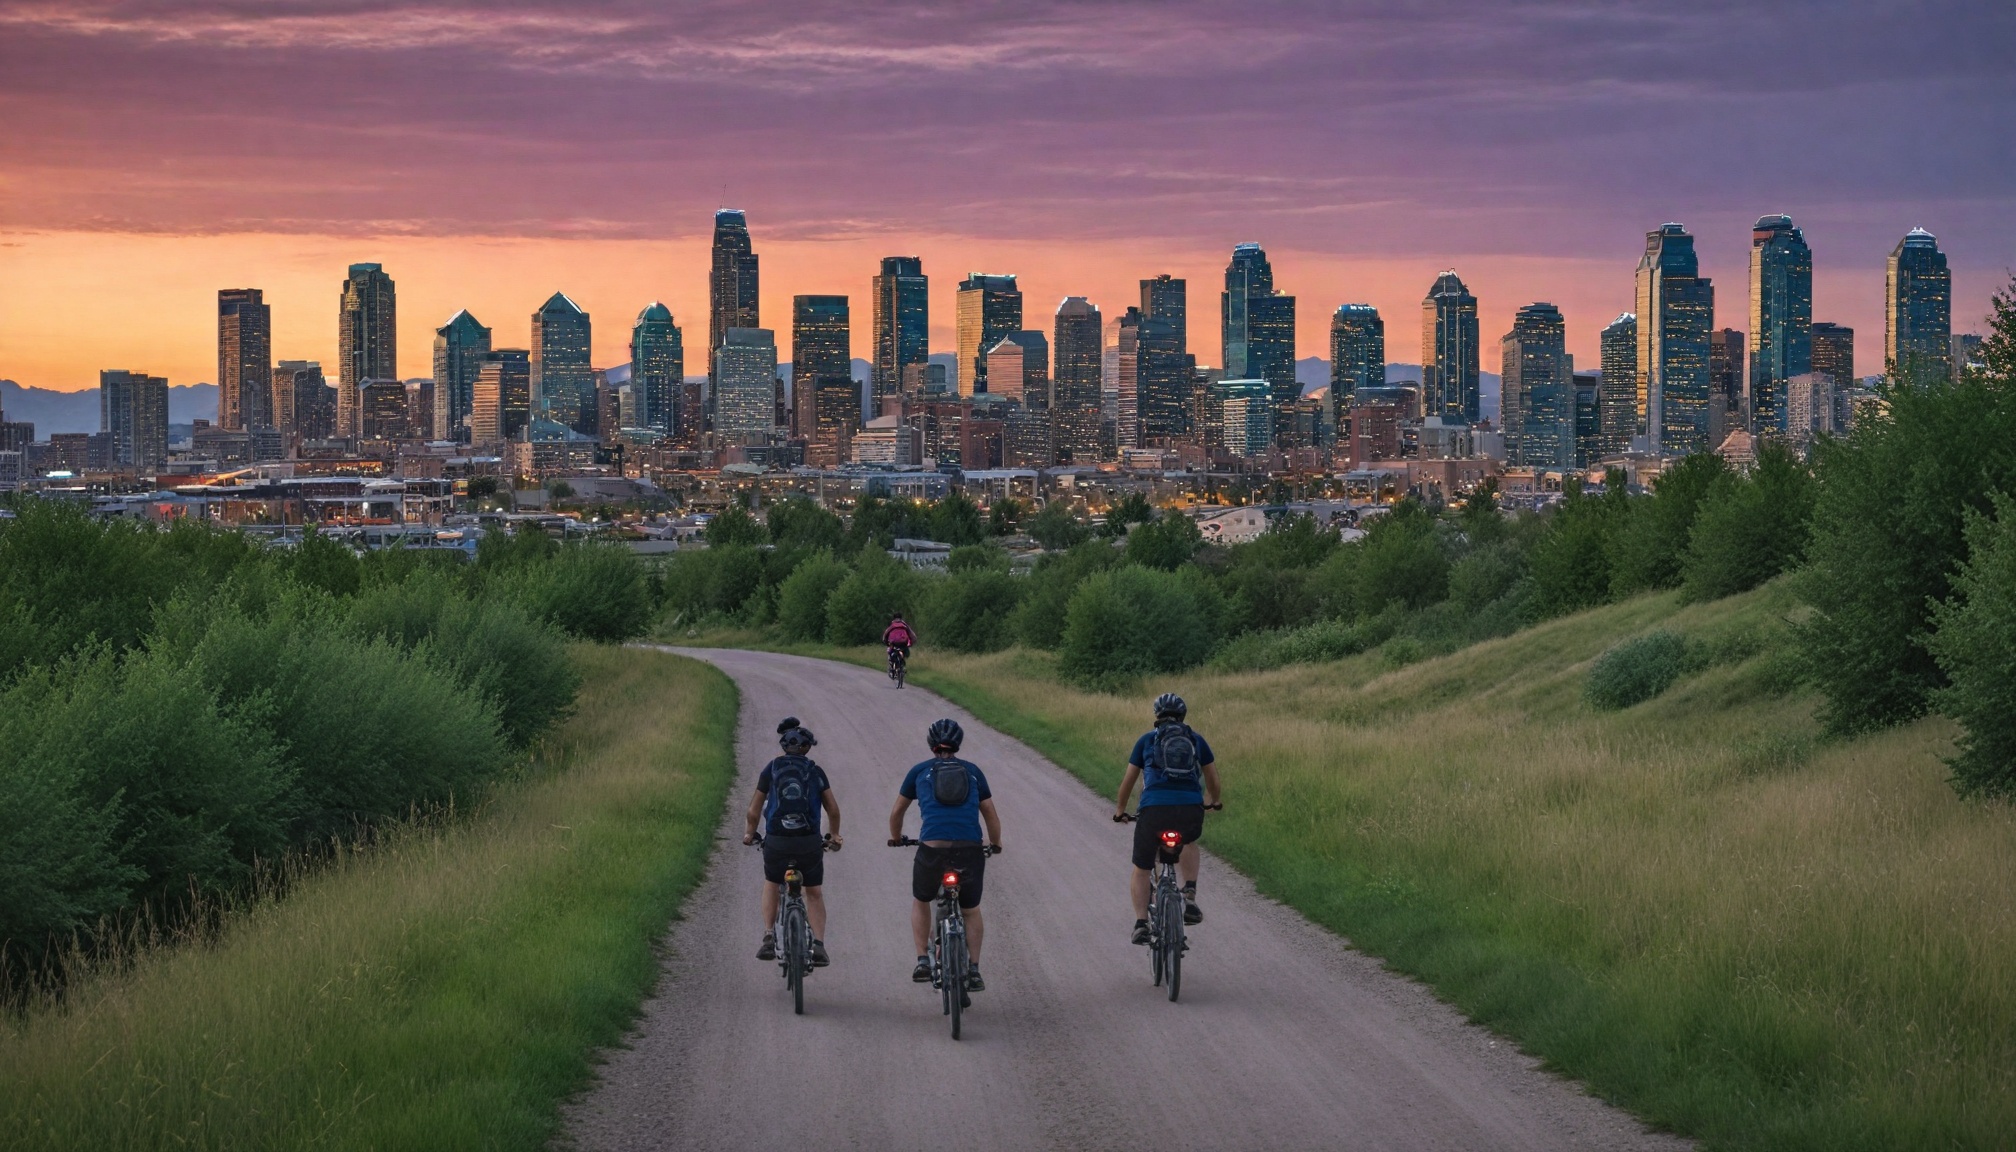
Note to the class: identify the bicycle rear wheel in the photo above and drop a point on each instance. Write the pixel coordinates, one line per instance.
(1172, 941)
(794, 963)
(955, 981)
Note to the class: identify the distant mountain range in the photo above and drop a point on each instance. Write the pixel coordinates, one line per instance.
(52, 411)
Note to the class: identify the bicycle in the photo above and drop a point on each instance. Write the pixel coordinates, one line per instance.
(950, 961)
(793, 930)
(899, 662)
(1166, 942)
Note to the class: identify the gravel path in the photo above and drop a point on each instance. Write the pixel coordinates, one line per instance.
(1285, 1037)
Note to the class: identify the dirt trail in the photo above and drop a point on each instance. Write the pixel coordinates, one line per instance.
(1285, 1038)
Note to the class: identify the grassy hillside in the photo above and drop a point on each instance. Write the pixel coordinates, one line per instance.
(444, 991)
(1699, 905)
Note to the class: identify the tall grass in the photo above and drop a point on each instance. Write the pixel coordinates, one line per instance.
(1699, 905)
(442, 990)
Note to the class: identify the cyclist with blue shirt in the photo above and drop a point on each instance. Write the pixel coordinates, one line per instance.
(1178, 777)
(952, 801)
(791, 793)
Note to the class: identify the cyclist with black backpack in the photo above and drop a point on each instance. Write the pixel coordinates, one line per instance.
(952, 800)
(1178, 778)
(791, 793)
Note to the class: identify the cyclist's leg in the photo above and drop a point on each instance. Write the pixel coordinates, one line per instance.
(920, 925)
(1138, 885)
(815, 911)
(1192, 861)
(772, 893)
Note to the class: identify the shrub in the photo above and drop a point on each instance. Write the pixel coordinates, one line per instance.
(714, 580)
(1040, 621)
(1636, 670)
(879, 587)
(957, 520)
(1651, 542)
(1132, 621)
(971, 610)
(1570, 561)
(1400, 562)
(973, 557)
(802, 598)
(1749, 528)
(1056, 529)
(1975, 645)
(1316, 643)
(592, 590)
(799, 523)
(1485, 575)
(734, 525)
(1167, 543)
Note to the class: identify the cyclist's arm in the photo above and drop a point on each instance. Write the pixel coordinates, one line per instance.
(832, 808)
(993, 821)
(1126, 788)
(752, 817)
(1211, 793)
(896, 817)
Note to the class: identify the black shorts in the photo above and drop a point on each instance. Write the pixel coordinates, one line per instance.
(1152, 822)
(932, 864)
(808, 852)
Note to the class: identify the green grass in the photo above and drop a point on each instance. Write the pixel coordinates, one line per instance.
(1700, 906)
(446, 990)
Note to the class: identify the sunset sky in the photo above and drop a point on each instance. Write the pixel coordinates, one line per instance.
(489, 155)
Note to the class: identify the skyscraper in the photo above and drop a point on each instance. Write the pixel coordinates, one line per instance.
(133, 412)
(1025, 358)
(731, 290)
(304, 406)
(1078, 351)
(367, 338)
(1834, 354)
(244, 360)
(1727, 376)
(1164, 368)
(1918, 311)
(381, 410)
(822, 374)
(1676, 310)
(1257, 326)
(902, 323)
(459, 347)
(658, 369)
(989, 308)
(1781, 317)
(500, 404)
(1617, 413)
(1449, 352)
(1357, 352)
(745, 386)
(1166, 297)
(1538, 407)
(563, 379)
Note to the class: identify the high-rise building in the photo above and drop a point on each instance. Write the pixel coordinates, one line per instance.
(822, 375)
(989, 307)
(367, 338)
(1247, 416)
(382, 410)
(500, 404)
(1164, 368)
(1357, 352)
(1588, 418)
(1618, 413)
(244, 359)
(1167, 298)
(1078, 351)
(420, 408)
(1257, 326)
(1918, 312)
(133, 415)
(1966, 352)
(745, 386)
(563, 378)
(658, 370)
(1449, 353)
(1538, 406)
(1676, 311)
(1834, 354)
(902, 323)
(303, 404)
(731, 291)
(459, 348)
(1018, 368)
(1728, 380)
(1781, 317)
(1127, 382)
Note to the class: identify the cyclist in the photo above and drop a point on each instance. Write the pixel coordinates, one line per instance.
(898, 638)
(791, 792)
(952, 800)
(1175, 785)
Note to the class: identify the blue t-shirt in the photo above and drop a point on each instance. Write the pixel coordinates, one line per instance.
(816, 785)
(940, 822)
(1158, 790)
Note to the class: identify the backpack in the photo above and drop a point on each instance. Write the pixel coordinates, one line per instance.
(951, 783)
(792, 795)
(1175, 753)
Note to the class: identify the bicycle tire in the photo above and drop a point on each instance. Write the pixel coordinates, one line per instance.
(956, 982)
(795, 932)
(1172, 936)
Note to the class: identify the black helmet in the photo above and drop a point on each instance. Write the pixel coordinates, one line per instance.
(791, 734)
(946, 735)
(1170, 704)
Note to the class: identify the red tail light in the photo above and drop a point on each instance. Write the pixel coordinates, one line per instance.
(1172, 838)
(951, 879)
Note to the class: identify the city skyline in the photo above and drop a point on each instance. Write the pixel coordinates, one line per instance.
(405, 136)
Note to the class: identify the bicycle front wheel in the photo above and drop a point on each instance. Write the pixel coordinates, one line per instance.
(955, 981)
(795, 933)
(1172, 942)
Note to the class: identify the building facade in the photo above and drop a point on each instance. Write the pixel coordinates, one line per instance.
(1676, 312)
(1538, 404)
(1728, 377)
(459, 348)
(1834, 353)
(745, 386)
(563, 376)
(1257, 330)
(732, 285)
(1357, 352)
(1450, 372)
(244, 359)
(500, 404)
(658, 372)
(902, 323)
(827, 403)
(1617, 401)
(1781, 317)
(989, 307)
(382, 410)
(133, 415)
(367, 338)
(1078, 351)
(1246, 415)
(1918, 310)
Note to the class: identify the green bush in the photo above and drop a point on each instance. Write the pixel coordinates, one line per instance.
(1486, 574)
(1400, 562)
(1636, 670)
(734, 525)
(972, 610)
(802, 598)
(593, 590)
(1750, 528)
(975, 557)
(713, 581)
(957, 520)
(1056, 529)
(799, 523)
(1135, 620)
(861, 605)
(1975, 645)
(1569, 562)
(1167, 543)
(1039, 623)
(1650, 544)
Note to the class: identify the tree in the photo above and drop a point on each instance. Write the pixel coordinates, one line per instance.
(971, 557)
(1040, 620)
(1651, 543)
(879, 587)
(1750, 528)
(734, 525)
(956, 520)
(1975, 646)
(1056, 529)
(1570, 560)
(971, 610)
(559, 490)
(803, 596)
(1004, 517)
(1135, 620)
(799, 523)
(1168, 543)
(1132, 508)
(1401, 562)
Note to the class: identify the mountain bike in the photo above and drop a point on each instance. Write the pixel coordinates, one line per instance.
(793, 930)
(950, 960)
(899, 662)
(1166, 942)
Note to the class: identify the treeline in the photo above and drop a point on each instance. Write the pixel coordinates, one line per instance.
(179, 705)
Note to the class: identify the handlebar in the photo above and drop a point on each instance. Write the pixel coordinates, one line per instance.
(907, 842)
(826, 842)
(1130, 817)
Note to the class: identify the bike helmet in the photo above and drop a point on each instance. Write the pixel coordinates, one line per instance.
(1170, 704)
(792, 736)
(946, 735)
